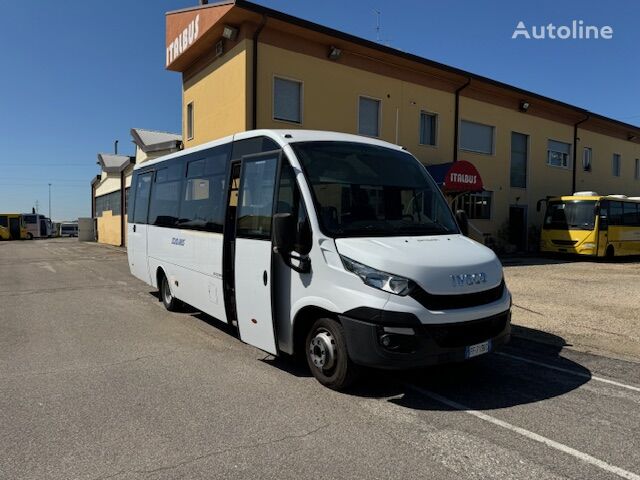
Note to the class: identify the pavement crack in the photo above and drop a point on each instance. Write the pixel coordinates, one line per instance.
(246, 446)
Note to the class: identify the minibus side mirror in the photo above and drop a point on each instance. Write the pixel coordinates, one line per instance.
(283, 232)
(463, 222)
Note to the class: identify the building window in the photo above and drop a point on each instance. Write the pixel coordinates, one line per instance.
(108, 202)
(287, 100)
(476, 205)
(369, 117)
(587, 154)
(558, 153)
(190, 121)
(519, 159)
(636, 175)
(476, 137)
(428, 128)
(615, 165)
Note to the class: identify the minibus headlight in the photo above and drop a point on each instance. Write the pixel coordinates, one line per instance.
(377, 279)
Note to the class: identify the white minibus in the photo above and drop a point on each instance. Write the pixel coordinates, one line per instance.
(38, 226)
(336, 247)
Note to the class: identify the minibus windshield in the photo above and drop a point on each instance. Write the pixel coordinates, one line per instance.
(574, 215)
(367, 190)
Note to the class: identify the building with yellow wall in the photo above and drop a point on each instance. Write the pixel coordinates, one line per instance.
(110, 189)
(245, 66)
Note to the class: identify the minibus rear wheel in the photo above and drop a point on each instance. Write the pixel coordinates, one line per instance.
(326, 352)
(170, 302)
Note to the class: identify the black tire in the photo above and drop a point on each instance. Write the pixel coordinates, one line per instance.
(170, 302)
(29, 236)
(610, 253)
(331, 366)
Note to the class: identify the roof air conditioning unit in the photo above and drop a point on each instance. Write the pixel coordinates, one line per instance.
(586, 194)
(219, 48)
(617, 196)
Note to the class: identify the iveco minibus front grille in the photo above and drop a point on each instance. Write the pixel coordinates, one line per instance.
(568, 243)
(467, 333)
(451, 302)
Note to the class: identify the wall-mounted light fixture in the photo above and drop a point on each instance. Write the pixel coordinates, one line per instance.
(334, 53)
(229, 32)
(524, 106)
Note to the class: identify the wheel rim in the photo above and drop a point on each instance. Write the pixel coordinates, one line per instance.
(166, 291)
(322, 350)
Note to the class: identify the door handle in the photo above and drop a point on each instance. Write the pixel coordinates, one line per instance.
(134, 228)
(265, 278)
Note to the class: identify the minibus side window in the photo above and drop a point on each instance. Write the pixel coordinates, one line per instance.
(202, 204)
(141, 204)
(165, 197)
(4, 222)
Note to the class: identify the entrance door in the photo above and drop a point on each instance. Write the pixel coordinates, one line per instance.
(253, 252)
(137, 228)
(518, 227)
(14, 228)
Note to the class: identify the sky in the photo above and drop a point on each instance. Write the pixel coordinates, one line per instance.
(77, 75)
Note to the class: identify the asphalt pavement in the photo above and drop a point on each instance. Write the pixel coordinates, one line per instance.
(98, 380)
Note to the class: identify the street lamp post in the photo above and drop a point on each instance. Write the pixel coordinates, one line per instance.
(50, 202)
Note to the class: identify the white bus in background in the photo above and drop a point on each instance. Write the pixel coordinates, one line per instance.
(38, 226)
(68, 229)
(336, 247)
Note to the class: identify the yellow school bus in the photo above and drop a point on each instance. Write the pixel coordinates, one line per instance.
(586, 223)
(14, 223)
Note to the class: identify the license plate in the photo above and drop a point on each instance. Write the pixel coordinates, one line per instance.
(477, 349)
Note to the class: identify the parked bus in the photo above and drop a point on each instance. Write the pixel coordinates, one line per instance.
(586, 223)
(68, 229)
(38, 226)
(14, 222)
(333, 246)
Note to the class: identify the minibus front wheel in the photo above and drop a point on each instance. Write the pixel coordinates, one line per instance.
(327, 357)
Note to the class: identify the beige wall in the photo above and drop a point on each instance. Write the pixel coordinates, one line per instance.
(600, 178)
(109, 183)
(330, 101)
(219, 96)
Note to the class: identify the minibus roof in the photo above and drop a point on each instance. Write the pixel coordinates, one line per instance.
(282, 137)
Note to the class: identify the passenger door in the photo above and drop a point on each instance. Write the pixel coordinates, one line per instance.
(137, 228)
(253, 252)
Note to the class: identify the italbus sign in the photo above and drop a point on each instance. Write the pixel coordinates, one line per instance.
(463, 177)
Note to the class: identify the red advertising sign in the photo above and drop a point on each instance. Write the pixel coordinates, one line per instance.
(462, 177)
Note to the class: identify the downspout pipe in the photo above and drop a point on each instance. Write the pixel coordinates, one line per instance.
(575, 151)
(456, 119)
(254, 74)
(123, 223)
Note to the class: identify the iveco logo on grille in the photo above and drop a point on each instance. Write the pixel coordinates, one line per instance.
(468, 279)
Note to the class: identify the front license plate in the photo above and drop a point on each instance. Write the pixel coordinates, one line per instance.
(478, 349)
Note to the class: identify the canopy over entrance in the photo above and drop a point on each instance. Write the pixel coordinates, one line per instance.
(454, 177)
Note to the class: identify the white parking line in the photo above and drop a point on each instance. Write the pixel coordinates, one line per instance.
(571, 372)
(528, 434)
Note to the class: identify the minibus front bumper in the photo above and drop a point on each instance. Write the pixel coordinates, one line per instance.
(396, 340)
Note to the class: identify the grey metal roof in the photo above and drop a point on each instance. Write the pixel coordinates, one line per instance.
(152, 140)
(111, 163)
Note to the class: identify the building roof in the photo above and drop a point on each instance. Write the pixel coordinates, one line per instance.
(111, 163)
(236, 12)
(153, 141)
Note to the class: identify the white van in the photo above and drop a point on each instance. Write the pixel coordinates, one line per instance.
(333, 246)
